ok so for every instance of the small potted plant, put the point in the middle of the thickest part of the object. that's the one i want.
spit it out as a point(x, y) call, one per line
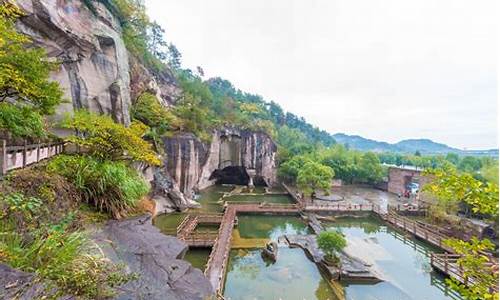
point(331, 242)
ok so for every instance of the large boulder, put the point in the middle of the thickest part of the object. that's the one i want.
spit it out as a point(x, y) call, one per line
point(155, 258)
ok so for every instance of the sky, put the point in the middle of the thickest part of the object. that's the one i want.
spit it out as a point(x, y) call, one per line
point(383, 69)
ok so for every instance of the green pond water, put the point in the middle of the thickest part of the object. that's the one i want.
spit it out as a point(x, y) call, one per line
point(293, 276)
point(198, 257)
point(400, 259)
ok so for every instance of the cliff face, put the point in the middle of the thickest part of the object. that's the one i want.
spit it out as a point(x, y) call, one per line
point(194, 165)
point(97, 73)
point(94, 70)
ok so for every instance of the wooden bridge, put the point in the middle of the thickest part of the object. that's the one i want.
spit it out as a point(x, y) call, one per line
point(186, 230)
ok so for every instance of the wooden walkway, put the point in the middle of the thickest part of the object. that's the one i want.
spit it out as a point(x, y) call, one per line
point(428, 233)
point(217, 262)
point(186, 230)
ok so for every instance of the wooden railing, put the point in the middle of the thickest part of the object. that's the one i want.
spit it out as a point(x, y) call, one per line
point(16, 157)
point(339, 207)
point(448, 264)
point(419, 229)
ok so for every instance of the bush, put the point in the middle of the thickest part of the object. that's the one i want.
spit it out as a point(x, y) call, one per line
point(149, 111)
point(331, 242)
point(32, 197)
point(106, 139)
point(109, 186)
point(61, 258)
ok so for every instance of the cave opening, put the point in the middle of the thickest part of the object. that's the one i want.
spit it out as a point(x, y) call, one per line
point(231, 175)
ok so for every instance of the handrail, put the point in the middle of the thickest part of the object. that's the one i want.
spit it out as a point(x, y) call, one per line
point(16, 157)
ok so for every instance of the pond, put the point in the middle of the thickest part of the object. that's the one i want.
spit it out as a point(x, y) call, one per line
point(401, 261)
point(293, 276)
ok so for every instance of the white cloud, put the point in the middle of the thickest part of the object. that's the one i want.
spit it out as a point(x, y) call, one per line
point(384, 69)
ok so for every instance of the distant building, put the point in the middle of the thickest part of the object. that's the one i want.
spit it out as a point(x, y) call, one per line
point(401, 177)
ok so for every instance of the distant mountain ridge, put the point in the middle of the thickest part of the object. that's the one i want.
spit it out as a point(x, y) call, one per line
point(424, 146)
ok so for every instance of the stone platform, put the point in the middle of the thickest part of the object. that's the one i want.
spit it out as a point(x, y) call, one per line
point(352, 269)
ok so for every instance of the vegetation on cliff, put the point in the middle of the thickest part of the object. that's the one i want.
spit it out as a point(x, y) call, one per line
point(26, 93)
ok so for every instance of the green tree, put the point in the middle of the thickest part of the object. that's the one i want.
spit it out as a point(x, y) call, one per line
point(331, 242)
point(477, 267)
point(451, 188)
point(470, 164)
point(26, 93)
point(453, 158)
point(108, 140)
point(313, 175)
point(149, 111)
point(290, 169)
point(370, 168)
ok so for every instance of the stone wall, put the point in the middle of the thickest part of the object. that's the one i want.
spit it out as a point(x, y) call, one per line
point(398, 179)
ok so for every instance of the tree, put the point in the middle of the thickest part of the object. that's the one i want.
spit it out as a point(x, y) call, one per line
point(331, 242)
point(26, 93)
point(156, 43)
point(470, 164)
point(290, 169)
point(453, 158)
point(370, 168)
point(313, 175)
point(451, 187)
point(107, 140)
point(475, 265)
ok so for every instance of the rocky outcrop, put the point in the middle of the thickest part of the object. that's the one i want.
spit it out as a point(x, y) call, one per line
point(15, 284)
point(155, 258)
point(192, 163)
point(161, 84)
point(94, 70)
point(352, 268)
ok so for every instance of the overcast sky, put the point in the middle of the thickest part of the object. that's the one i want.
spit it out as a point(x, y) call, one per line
point(383, 69)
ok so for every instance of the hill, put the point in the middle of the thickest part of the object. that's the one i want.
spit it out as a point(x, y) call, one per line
point(424, 146)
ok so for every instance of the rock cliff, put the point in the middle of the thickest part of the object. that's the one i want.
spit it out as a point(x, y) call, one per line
point(194, 165)
point(94, 70)
point(97, 73)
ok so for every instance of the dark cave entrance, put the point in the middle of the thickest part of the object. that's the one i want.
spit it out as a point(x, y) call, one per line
point(231, 175)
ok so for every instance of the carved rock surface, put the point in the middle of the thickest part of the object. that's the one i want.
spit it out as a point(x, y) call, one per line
point(191, 162)
point(155, 258)
point(94, 70)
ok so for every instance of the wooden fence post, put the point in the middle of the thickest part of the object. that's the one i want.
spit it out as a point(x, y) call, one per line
point(3, 160)
point(446, 262)
point(38, 151)
point(24, 154)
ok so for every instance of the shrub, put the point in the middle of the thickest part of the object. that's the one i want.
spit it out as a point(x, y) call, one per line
point(32, 197)
point(331, 242)
point(160, 120)
point(109, 186)
point(106, 139)
point(61, 258)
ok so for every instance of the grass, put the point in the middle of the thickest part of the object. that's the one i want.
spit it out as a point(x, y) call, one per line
point(108, 186)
